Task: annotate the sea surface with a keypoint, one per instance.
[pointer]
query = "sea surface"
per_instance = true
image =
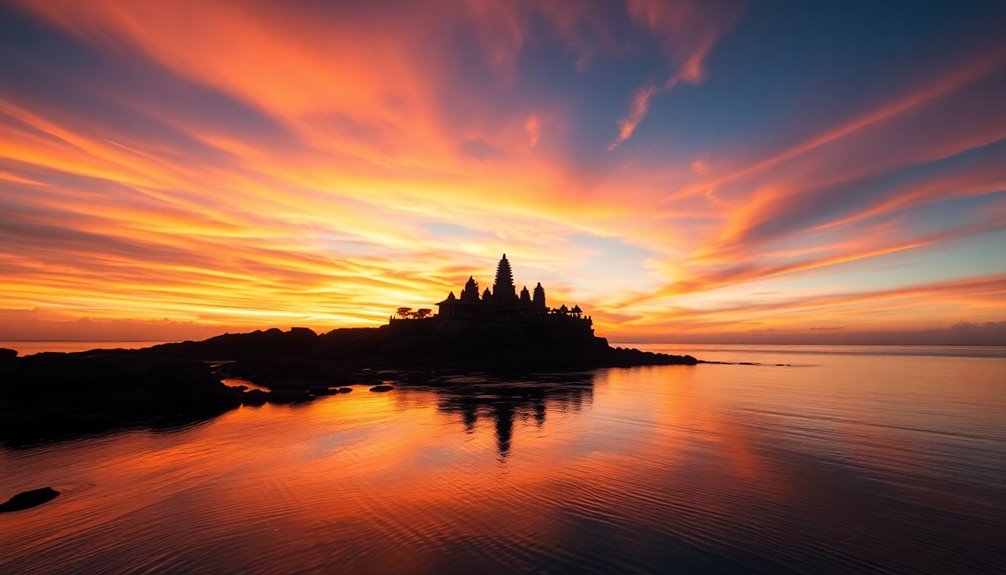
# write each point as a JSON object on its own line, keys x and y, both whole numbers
{"x": 28, "y": 347}
{"x": 840, "y": 460}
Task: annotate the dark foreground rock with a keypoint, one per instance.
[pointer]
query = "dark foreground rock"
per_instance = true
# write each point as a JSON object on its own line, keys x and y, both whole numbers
{"x": 29, "y": 499}
{"x": 380, "y": 388}
{"x": 49, "y": 395}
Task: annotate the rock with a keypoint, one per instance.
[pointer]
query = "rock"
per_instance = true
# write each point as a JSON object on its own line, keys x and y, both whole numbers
{"x": 288, "y": 396}
{"x": 7, "y": 355}
{"x": 90, "y": 421}
{"x": 54, "y": 395}
{"x": 380, "y": 388}
{"x": 302, "y": 332}
{"x": 344, "y": 389}
{"x": 293, "y": 384}
{"x": 320, "y": 390}
{"x": 254, "y": 397}
{"x": 29, "y": 499}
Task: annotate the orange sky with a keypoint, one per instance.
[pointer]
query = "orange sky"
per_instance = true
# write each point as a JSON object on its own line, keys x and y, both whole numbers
{"x": 174, "y": 169}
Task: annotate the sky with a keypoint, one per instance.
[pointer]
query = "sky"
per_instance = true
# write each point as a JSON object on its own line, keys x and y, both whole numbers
{"x": 682, "y": 170}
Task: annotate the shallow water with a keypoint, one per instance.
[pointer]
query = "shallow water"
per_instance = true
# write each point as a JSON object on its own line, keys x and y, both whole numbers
{"x": 846, "y": 461}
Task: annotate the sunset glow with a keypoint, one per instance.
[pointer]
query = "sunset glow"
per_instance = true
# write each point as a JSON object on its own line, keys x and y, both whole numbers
{"x": 174, "y": 169}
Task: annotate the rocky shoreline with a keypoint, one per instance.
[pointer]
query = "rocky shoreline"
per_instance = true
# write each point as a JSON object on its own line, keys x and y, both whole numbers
{"x": 55, "y": 395}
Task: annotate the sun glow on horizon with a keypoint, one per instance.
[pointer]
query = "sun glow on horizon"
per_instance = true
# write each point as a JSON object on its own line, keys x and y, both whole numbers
{"x": 188, "y": 168}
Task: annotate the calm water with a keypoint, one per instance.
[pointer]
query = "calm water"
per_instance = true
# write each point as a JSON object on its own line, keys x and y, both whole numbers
{"x": 849, "y": 460}
{"x": 30, "y": 347}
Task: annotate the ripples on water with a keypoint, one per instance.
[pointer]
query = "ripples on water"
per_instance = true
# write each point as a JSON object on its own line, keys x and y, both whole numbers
{"x": 851, "y": 463}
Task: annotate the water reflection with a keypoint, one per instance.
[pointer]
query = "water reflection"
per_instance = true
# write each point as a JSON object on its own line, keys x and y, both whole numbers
{"x": 503, "y": 400}
{"x": 877, "y": 464}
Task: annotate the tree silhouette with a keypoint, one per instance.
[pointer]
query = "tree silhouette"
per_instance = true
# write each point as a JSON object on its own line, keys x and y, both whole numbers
{"x": 421, "y": 313}
{"x": 404, "y": 312}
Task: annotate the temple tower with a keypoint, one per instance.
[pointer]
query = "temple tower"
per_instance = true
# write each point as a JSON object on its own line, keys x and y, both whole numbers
{"x": 539, "y": 297}
{"x": 470, "y": 293}
{"x": 504, "y": 290}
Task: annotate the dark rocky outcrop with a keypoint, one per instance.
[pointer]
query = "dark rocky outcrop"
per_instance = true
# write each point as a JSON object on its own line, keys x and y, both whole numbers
{"x": 29, "y": 499}
{"x": 7, "y": 356}
{"x": 255, "y": 397}
{"x": 288, "y": 396}
{"x": 57, "y": 394}
{"x": 300, "y": 358}
{"x": 380, "y": 388}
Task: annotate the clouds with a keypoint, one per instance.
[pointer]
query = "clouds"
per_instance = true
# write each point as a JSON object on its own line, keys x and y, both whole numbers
{"x": 687, "y": 31}
{"x": 640, "y": 105}
{"x": 248, "y": 163}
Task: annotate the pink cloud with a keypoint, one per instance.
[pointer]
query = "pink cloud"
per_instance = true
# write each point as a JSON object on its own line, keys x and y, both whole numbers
{"x": 640, "y": 105}
{"x": 687, "y": 30}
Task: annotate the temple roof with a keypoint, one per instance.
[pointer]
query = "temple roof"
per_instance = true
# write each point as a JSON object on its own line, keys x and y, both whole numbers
{"x": 503, "y": 296}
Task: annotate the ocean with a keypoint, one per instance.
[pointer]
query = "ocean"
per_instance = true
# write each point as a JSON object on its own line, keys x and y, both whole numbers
{"x": 818, "y": 459}
{"x": 28, "y": 347}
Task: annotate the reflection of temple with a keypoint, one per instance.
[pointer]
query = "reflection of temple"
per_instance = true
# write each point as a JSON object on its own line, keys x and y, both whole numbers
{"x": 503, "y": 403}
{"x": 504, "y": 304}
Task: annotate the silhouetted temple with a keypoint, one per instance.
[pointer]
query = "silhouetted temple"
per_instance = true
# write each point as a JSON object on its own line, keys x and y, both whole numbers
{"x": 503, "y": 302}
{"x": 503, "y": 305}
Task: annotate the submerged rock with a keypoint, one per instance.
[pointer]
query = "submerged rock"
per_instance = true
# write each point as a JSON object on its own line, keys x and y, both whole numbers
{"x": 29, "y": 499}
{"x": 344, "y": 389}
{"x": 380, "y": 388}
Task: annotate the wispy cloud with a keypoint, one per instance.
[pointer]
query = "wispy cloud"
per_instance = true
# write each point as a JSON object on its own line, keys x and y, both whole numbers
{"x": 688, "y": 31}
{"x": 640, "y": 105}
{"x": 246, "y": 164}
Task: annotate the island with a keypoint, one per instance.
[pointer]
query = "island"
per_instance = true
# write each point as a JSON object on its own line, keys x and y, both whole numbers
{"x": 497, "y": 331}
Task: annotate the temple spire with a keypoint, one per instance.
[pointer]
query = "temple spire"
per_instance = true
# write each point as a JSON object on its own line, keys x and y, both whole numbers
{"x": 471, "y": 291}
{"x": 539, "y": 296}
{"x": 504, "y": 289}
